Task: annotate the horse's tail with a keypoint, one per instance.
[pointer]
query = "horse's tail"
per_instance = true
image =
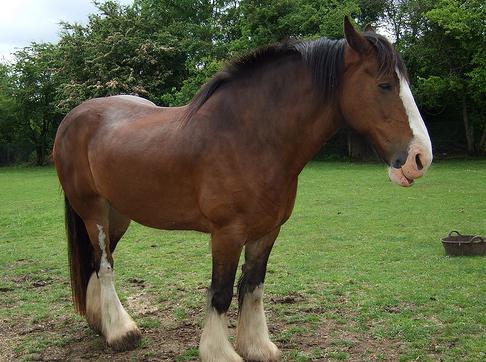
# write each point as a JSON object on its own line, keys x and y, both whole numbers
{"x": 80, "y": 254}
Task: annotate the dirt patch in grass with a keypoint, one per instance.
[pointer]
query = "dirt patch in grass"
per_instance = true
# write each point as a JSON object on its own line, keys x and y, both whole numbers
{"x": 169, "y": 338}
{"x": 330, "y": 342}
{"x": 328, "y": 339}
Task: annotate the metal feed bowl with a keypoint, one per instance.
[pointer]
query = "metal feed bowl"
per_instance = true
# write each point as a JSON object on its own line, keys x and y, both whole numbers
{"x": 464, "y": 245}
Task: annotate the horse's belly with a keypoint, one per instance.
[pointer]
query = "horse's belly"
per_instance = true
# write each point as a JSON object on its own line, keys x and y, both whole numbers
{"x": 161, "y": 211}
{"x": 162, "y": 198}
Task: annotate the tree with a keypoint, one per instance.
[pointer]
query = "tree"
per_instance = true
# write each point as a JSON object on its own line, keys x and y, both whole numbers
{"x": 164, "y": 50}
{"x": 197, "y": 29}
{"x": 118, "y": 52}
{"x": 8, "y": 134}
{"x": 447, "y": 56}
{"x": 34, "y": 90}
{"x": 462, "y": 24}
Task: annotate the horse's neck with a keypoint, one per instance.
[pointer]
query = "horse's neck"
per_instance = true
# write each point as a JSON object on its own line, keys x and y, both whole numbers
{"x": 282, "y": 110}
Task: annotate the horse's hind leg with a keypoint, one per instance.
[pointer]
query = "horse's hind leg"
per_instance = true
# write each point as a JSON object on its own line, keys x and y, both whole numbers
{"x": 214, "y": 345}
{"x": 118, "y": 224}
{"x": 252, "y": 339}
{"x": 104, "y": 310}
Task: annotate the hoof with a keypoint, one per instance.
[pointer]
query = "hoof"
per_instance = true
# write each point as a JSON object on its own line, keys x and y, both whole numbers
{"x": 126, "y": 342}
{"x": 267, "y": 352}
{"x": 220, "y": 356}
{"x": 214, "y": 345}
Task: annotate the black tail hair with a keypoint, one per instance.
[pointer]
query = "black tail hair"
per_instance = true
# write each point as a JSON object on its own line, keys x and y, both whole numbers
{"x": 80, "y": 254}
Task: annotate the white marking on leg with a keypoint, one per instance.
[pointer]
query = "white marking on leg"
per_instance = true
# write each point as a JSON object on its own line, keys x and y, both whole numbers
{"x": 214, "y": 345}
{"x": 117, "y": 326}
{"x": 417, "y": 125}
{"x": 93, "y": 303}
{"x": 252, "y": 338}
{"x": 101, "y": 242}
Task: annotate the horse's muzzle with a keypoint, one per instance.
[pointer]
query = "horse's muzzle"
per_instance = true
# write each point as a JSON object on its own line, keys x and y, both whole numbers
{"x": 417, "y": 163}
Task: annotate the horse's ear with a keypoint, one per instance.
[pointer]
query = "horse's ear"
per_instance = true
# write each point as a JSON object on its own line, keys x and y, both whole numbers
{"x": 369, "y": 28}
{"x": 355, "y": 40}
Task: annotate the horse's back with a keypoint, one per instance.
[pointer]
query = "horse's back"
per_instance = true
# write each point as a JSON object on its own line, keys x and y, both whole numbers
{"x": 130, "y": 152}
{"x": 100, "y": 117}
{"x": 133, "y": 99}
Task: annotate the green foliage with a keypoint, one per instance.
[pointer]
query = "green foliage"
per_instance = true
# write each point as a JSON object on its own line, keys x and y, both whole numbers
{"x": 464, "y": 22}
{"x": 197, "y": 29}
{"x": 165, "y": 50}
{"x": 34, "y": 91}
{"x": 116, "y": 53}
{"x": 7, "y": 106}
{"x": 434, "y": 89}
{"x": 446, "y": 51}
{"x": 265, "y": 22}
{"x": 199, "y": 73}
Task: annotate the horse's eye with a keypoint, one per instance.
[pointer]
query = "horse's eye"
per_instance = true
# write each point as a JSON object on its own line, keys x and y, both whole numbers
{"x": 385, "y": 86}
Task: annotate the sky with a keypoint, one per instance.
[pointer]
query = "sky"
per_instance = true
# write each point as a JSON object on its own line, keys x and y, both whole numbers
{"x": 26, "y": 21}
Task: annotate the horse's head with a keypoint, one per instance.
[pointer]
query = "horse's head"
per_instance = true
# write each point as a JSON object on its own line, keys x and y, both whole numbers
{"x": 377, "y": 102}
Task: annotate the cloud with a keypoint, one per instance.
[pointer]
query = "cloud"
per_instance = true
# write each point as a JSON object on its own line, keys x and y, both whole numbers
{"x": 26, "y": 21}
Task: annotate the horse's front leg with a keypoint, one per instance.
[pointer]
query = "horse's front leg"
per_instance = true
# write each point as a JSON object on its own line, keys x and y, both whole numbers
{"x": 252, "y": 338}
{"x": 214, "y": 346}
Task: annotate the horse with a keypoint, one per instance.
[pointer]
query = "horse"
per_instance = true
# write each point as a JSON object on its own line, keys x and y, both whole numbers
{"x": 226, "y": 164}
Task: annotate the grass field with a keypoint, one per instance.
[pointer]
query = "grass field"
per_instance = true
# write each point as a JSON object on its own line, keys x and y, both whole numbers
{"x": 358, "y": 272}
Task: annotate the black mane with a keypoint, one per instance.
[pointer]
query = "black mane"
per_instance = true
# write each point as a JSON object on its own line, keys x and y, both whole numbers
{"x": 238, "y": 67}
{"x": 324, "y": 57}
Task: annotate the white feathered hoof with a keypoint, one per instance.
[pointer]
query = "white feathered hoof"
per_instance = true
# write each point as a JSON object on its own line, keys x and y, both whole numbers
{"x": 261, "y": 352}
{"x": 252, "y": 339}
{"x": 214, "y": 345}
{"x": 125, "y": 342}
{"x": 218, "y": 354}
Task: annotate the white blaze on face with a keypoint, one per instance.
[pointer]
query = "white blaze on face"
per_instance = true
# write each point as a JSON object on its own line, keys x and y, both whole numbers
{"x": 417, "y": 125}
{"x": 419, "y": 150}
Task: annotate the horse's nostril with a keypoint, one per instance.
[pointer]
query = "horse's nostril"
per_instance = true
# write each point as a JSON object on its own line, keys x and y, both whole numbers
{"x": 418, "y": 162}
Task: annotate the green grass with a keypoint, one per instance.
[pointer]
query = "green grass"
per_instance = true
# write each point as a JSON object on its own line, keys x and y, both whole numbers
{"x": 361, "y": 258}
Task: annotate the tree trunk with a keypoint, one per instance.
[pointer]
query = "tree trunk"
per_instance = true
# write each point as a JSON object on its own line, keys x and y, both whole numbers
{"x": 40, "y": 155}
{"x": 469, "y": 130}
{"x": 482, "y": 143}
{"x": 358, "y": 148}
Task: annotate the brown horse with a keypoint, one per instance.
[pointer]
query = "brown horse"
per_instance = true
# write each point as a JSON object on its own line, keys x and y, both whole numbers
{"x": 226, "y": 164}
